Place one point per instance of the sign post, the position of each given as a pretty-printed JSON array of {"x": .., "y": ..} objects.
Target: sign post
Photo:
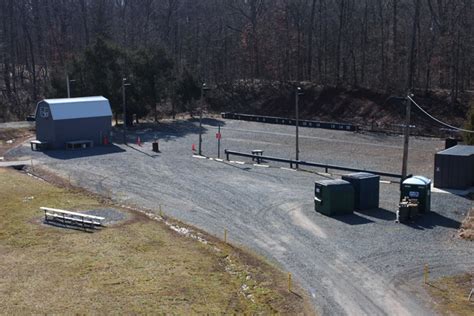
[{"x": 218, "y": 136}]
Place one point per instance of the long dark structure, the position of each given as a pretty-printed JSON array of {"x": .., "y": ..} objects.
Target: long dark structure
[
  {"x": 288, "y": 121},
  {"x": 259, "y": 159}
]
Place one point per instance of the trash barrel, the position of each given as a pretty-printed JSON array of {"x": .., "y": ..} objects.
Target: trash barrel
[
  {"x": 155, "y": 147},
  {"x": 366, "y": 189},
  {"x": 450, "y": 142},
  {"x": 417, "y": 188},
  {"x": 333, "y": 197}
]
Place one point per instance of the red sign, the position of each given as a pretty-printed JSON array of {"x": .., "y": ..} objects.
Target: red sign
[{"x": 218, "y": 135}]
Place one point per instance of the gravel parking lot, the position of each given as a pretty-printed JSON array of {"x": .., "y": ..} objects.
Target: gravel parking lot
[{"x": 357, "y": 264}]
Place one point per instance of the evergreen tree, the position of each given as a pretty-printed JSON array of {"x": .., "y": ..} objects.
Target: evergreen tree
[
  {"x": 151, "y": 71},
  {"x": 188, "y": 90}
]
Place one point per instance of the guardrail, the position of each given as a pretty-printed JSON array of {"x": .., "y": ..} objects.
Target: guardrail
[
  {"x": 288, "y": 121},
  {"x": 259, "y": 159}
]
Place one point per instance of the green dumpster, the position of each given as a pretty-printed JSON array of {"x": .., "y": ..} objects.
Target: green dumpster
[
  {"x": 333, "y": 197},
  {"x": 417, "y": 188}
]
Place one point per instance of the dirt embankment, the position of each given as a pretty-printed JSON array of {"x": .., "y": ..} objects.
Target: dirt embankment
[
  {"x": 11, "y": 137},
  {"x": 368, "y": 108}
]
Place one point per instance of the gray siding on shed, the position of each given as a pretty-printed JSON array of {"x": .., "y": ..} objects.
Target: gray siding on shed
[
  {"x": 44, "y": 126},
  {"x": 94, "y": 129}
]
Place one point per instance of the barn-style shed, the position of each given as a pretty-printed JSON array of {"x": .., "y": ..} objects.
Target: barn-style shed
[{"x": 65, "y": 123}]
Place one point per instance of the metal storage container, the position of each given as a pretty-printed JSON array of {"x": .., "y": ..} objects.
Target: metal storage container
[
  {"x": 454, "y": 167},
  {"x": 417, "y": 188},
  {"x": 366, "y": 189},
  {"x": 333, "y": 197}
]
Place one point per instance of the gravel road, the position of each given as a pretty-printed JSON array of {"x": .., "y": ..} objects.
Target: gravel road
[{"x": 360, "y": 264}]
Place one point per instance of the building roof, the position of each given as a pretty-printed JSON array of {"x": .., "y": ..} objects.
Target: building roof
[
  {"x": 458, "y": 150},
  {"x": 74, "y": 108}
]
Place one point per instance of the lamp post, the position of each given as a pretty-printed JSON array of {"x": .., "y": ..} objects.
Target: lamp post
[
  {"x": 68, "y": 81},
  {"x": 124, "y": 101},
  {"x": 204, "y": 88},
  {"x": 297, "y": 122}
]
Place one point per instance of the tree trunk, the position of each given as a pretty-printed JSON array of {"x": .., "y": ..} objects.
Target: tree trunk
[
  {"x": 310, "y": 41},
  {"x": 411, "y": 70}
]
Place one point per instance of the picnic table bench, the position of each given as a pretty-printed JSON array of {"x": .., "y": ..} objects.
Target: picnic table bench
[
  {"x": 38, "y": 145},
  {"x": 68, "y": 217},
  {"x": 257, "y": 152},
  {"x": 79, "y": 144}
]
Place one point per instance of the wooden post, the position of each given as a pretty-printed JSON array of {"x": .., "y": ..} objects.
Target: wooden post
[
  {"x": 289, "y": 282},
  {"x": 426, "y": 273},
  {"x": 225, "y": 236}
]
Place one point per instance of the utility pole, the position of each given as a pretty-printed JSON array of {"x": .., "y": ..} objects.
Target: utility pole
[
  {"x": 67, "y": 85},
  {"x": 297, "y": 122},
  {"x": 124, "y": 103},
  {"x": 406, "y": 136},
  {"x": 203, "y": 89}
]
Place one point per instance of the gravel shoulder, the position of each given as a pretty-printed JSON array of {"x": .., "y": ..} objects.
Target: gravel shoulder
[{"x": 358, "y": 264}]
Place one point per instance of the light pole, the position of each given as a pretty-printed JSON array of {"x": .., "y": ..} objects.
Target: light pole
[
  {"x": 124, "y": 101},
  {"x": 297, "y": 122},
  {"x": 204, "y": 88},
  {"x": 67, "y": 85}
]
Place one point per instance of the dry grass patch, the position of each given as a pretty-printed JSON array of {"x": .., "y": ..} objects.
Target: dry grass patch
[
  {"x": 467, "y": 226},
  {"x": 450, "y": 294},
  {"x": 139, "y": 267}
]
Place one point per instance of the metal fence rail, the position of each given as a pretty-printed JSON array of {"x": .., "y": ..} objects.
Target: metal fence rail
[
  {"x": 288, "y": 121},
  {"x": 259, "y": 159}
]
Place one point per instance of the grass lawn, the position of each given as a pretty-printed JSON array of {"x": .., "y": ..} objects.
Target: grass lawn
[{"x": 140, "y": 266}]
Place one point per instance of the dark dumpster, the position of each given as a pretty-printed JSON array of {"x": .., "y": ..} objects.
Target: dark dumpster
[
  {"x": 333, "y": 197},
  {"x": 366, "y": 189}
]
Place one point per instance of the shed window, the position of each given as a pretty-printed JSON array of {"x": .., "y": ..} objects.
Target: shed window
[{"x": 44, "y": 112}]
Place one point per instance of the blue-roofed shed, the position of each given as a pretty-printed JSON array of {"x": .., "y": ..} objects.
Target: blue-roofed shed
[{"x": 59, "y": 121}]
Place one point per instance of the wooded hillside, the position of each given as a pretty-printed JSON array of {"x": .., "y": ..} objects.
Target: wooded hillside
[{"x": 388, "y": 45}]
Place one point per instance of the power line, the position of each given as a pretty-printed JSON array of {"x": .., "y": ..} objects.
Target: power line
[{"x": 435, "y": 119}]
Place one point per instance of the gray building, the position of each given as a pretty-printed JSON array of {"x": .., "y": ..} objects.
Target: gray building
[
  {"x": 454, "y": 168},
  {"x": 62, "y": 123}
]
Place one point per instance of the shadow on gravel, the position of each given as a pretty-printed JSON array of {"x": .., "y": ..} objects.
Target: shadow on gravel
[
  {"x": 380, "y": 213},
  {"x": 352, "y": 219},
  {"x": 166, "y": 130},
  {"x": 431, "y": 220},
  {"x": 144, "y": 152},
  {"x": 79, "y": 153}
]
